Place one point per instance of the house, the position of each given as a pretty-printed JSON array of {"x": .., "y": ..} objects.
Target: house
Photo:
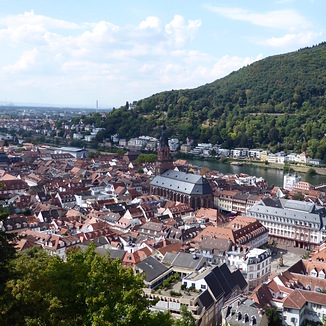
[
  {"x": 302, "y": 306},
  {"x": 155, "y": 272},
  {"x": 254, "y": 264},
  {"x": 243, "y": 311},
  {"x": 241, "y": 231},
  {"x": 206, "y": 215},
  {"x": 131, "y": 259},
  {"x": 184, "y": 263}
]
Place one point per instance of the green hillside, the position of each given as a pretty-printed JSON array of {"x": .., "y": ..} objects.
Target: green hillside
[{"x": 277, "y": 103}]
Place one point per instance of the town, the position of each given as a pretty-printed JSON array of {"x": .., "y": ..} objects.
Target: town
[
  {"x": 228, "y": 247},
  {"x": 61, "y": 126}
]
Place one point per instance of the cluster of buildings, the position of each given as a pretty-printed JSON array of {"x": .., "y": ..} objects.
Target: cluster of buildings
[
  {"x": 198, "y": 236},
  {"x": 267, "y": 156},
  {"x": 298, "y": 293}
]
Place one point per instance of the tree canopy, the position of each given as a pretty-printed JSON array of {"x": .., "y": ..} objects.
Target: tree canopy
[
  {"x": 87, "y": 289},
  {"x": 7, "y": 250}
]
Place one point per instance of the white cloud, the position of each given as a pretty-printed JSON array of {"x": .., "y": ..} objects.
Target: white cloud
[
  {"x": 29, "y": 28},
  {"x": 146, "y": 68},
  {"x": 150, "y": 22},
  {"x": 130, "y": 61},
  {"x": 288, "y": 40},
  {"x": 286, "y": 19},
  {"x": 25, "y": 62},
  {"x": 30, "y": 18},
  {"x": 179, "y": 32},
  {"x": 227, "y": 64}
]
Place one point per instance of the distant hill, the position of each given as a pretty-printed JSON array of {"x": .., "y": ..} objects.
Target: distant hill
[{"x": 277, "y": 103}]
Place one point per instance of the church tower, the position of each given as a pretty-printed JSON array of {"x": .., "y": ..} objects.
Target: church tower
[{"x": 164, "y": 161}]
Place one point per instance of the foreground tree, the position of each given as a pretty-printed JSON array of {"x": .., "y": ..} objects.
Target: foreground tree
[
  {"x": 187, "y": 319},
  {"x": 88, "y": 289},
  {"x": 7, "y": 250},
  {"x": 274, "y": 318}
]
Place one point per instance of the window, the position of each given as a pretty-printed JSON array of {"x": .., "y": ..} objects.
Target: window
[{"x": 203, "y": 286}]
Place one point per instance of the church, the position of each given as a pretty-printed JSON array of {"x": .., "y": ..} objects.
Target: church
[{"x": 193, "y": 190}]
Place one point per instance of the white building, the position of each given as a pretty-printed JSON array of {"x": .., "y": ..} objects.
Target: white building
[
  {"x": 239, "y": 152},
  {"x": 290, "y": 180},
  {"x": 291, "y": 222},
  {"x": 77, "y": 136},
  {"x": 75, "y": 152},
  {"x": 255, "y": 265},
  {"x": 90, "y": 137},
  {"x": 173, "y": 144},
  {"x": 255, "y": 153},
  {"x": 302, "y": 306}
]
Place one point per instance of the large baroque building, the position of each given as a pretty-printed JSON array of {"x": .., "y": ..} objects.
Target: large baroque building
[
  {"x": 193, "y": 190},
  {"x": 292, "y": 222}
]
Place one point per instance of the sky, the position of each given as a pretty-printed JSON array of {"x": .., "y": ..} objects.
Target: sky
[{"x": 74, "y": 53}]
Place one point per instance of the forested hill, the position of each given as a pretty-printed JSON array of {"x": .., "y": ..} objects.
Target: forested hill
[{"x": 277, "y": 103}]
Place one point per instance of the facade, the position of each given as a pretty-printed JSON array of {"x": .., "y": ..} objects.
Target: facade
[
  {"x": 255, "y": 264},
  {"x": 290, "y": 180},
  {"x": 224, "y": 200},
  {"x": 234, "y": 201},
  {"x": 292, "y": 222},
  {"x": 242, "y": 231},
  {"x": 239, "y": 152}
]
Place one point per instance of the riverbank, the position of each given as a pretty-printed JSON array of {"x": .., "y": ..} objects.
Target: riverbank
[
  {"x": 295, "y": 167},
  {"x": 272, "y": 173}
]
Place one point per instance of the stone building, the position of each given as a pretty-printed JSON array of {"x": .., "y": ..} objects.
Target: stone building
[
  {"x": 292, "y": 222},
  {"x": 193, "y": 190}
]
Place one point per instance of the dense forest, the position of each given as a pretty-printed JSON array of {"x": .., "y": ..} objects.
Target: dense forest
[{"x": 277, "y": 103}]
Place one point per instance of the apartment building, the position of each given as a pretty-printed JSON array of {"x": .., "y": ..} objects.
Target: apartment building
[{"x": 254, "y": 264}]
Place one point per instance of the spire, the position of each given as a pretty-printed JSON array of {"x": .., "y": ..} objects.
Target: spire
[
  {"x": 164, "y": 161},
  {"x": 164, "y": 137}
]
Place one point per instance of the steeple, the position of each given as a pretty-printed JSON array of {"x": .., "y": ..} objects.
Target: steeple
[
  {"x": 164, "y": 138},
  {"x": 164, "y": 160}
]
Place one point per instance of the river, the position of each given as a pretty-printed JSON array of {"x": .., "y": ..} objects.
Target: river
[{"x": 272, "y": 176}]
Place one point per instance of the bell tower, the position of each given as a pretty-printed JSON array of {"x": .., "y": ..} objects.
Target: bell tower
[{"x": 164, "y": 161}]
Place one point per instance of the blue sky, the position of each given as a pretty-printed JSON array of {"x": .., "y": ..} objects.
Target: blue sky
[{"x": 76, "y": 52}]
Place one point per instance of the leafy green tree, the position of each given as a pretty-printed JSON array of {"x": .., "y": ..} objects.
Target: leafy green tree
[
  {"x": 187, "y": 319},
  {"x": 94, "y": 154},
  {"x": 298, "y": 196},
  {"x": 311, "y": 172},
  {"x": 88, "y": 289},
  {"x": 274, "y": 318},
  {"x": 7, "y": 249},
  {"x": 146, "y": 158}
]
